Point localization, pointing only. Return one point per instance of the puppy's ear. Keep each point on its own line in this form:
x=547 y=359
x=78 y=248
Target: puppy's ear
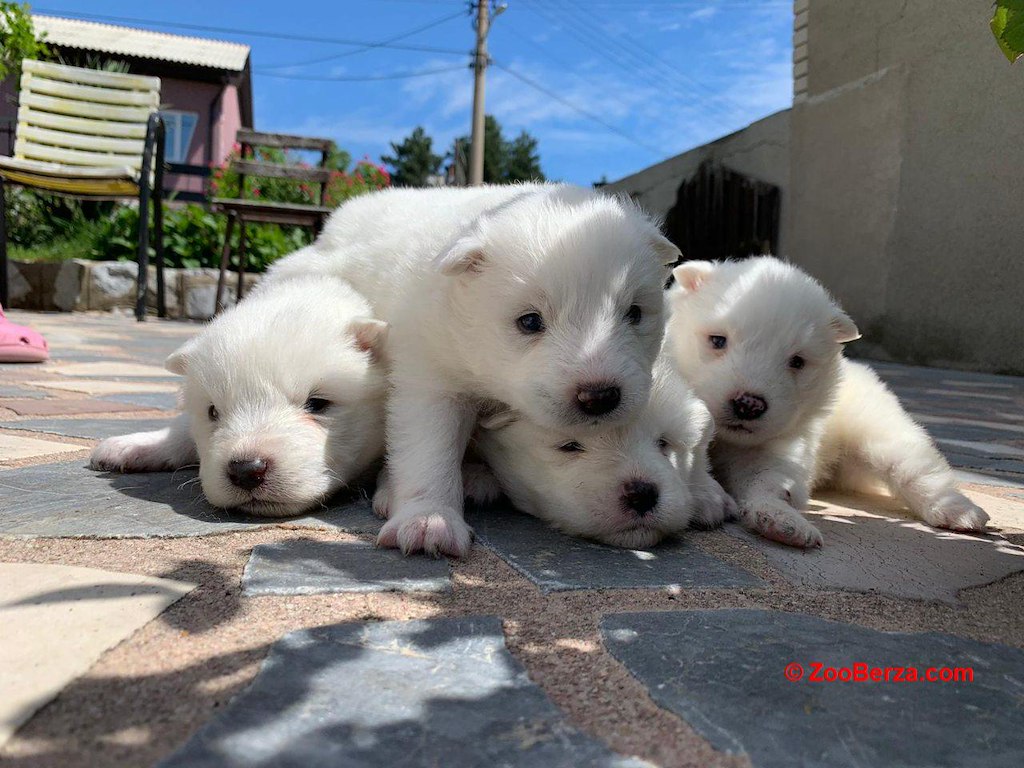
x=843 y=328
x=466 y=255
x=177 y=362
x=691 y=275
x=498 y=420
x=370 y=335
x=666 y=251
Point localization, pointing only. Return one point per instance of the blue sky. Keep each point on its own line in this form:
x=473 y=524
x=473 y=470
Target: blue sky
x=660 y=76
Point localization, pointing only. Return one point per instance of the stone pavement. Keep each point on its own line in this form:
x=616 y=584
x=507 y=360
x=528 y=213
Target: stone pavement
x=144 y=627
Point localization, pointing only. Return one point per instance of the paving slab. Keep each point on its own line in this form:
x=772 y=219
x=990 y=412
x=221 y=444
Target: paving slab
x=87 y=428
x=64 y=407
x=14 y=447
x=165 y=401
x=308 y=567
x=105 y=387
x=69 y=500
x=871 y=545
x=440 y=692
x=58 y=619
x=22 y=392
x=111 y=368
x=723 y=672
x=556 y=562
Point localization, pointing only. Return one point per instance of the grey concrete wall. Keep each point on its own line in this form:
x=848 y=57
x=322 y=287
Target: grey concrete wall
x=907 y=168
x=760 y=150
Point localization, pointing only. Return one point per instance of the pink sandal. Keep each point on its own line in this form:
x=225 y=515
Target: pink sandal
x=19 y=344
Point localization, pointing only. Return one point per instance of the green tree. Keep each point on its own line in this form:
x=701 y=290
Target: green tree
x=413 y=161
x=17 y=39
x=506 y=162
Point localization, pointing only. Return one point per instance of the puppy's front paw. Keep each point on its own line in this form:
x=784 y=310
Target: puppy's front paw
x=956 y=512
x=137 y=452
x=780 y=522
x=479 y=485
x=712 y=506
x=381 y=499
x=424 y=527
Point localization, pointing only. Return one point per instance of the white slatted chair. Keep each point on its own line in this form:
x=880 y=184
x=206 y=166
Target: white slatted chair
x=92 y=135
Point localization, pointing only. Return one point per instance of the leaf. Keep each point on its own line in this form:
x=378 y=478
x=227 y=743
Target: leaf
x=1008 y=28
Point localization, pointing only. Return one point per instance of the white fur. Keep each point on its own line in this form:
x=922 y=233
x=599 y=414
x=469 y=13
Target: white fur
x=257 y=365
x=831 y=422
x=451 y=270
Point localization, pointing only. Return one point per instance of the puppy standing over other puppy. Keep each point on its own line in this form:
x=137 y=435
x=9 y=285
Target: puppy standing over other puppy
x=283 y=401
x=761 y=342
x=544 y=298
x=629 y=486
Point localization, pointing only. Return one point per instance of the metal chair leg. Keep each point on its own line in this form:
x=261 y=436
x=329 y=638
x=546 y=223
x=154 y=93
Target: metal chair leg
x=158 y=223
x=225 y=256
x=242 y=259
x=143 y=256
x=4 y=297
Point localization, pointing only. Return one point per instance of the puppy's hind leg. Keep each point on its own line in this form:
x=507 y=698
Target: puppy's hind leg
x=164 y=449
x=876 y=434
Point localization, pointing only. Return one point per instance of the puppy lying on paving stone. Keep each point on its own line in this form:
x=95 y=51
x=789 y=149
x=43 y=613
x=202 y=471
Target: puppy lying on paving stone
x=761 y=342
x=546 y=298
x=283 y=401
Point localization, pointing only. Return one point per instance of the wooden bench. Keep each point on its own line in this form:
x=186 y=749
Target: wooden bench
x=92 y=135
x=244 y=211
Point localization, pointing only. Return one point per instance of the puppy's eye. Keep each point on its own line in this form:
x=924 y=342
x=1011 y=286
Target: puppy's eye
x=530 y=323
x=796 y=362
x=571 y=447
x=634 y=315
x=662 y=444
x=717 y=342
x=316 y=405
x=212 y=413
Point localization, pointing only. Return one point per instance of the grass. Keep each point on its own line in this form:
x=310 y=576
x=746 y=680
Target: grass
x=76 y=245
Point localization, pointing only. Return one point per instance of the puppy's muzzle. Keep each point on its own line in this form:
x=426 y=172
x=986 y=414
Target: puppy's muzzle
x=247 y=474
x=747 y=407
x=598 y=400
x=640 y=496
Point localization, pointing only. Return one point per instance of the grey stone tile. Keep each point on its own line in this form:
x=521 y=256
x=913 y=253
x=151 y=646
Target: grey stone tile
x=556 y=562
x=166 y=401
x=88 y=428
x=443 y=692
x=69 y=500
x=722 y=671
x=307 y=567
x=22 y=392
x=870 y=546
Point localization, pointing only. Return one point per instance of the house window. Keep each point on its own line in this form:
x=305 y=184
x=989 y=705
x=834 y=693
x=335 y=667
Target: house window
x=179 y=129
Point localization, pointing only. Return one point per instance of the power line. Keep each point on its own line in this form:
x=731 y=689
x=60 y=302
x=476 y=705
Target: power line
x=576 y=108
x=249 y=32
x=359 y=78
x=381 y=44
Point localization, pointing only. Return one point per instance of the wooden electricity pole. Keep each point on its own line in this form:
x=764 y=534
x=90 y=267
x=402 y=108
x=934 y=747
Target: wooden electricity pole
x=476 y=153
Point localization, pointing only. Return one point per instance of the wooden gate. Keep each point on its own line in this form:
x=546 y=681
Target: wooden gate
x=721 y=214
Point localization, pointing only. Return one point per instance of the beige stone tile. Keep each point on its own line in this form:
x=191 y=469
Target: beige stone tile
x=101 y=387
x=13 y=447
x=1006 y=515
x=112 y=368
x=58 y=620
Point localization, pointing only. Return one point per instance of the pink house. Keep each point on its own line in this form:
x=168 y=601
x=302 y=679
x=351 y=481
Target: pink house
x=205 y=94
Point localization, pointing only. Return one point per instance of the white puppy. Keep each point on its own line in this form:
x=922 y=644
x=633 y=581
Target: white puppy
x=629 y=486
x=761 y=343
x=283 y=401
x=544 y=298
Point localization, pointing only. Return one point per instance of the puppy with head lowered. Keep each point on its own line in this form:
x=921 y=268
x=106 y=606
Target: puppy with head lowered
x=545 y=299
x=761 y=343
x=629 y=486
x=283 y=401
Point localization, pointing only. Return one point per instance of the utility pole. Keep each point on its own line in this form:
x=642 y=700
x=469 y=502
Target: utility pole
x=476 y=153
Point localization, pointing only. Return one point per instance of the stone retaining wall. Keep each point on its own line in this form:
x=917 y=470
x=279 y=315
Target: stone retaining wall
x=77 y=285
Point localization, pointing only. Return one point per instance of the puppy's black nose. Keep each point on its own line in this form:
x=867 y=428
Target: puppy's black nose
x=597 y=401
x=640 y=496
x=247 y=473
x=748 y=407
